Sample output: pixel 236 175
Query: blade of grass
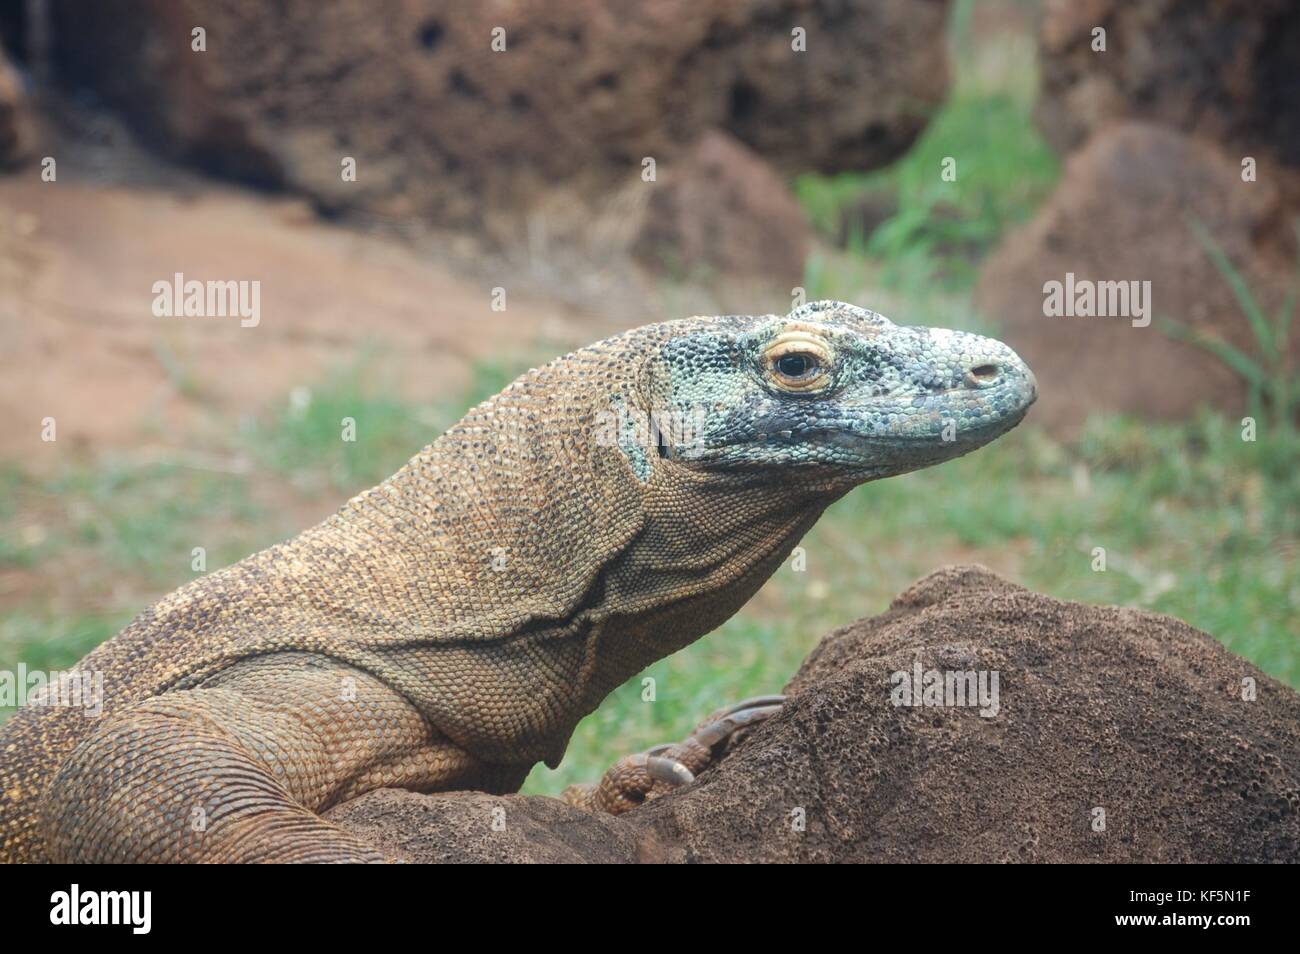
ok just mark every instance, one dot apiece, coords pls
pixel 1236 281
pixel 1236 359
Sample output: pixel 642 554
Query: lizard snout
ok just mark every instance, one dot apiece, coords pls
pixel 987 374
pixel 1001 371
pixel 983 375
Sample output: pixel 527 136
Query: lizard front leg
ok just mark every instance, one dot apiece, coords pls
pixel 236 771
pixel 659 770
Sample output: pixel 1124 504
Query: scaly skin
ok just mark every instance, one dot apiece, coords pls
pixel 449 628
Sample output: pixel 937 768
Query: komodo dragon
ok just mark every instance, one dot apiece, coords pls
pixel 448 628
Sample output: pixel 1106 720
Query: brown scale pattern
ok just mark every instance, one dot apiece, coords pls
pixel 225 695
pixel 445 629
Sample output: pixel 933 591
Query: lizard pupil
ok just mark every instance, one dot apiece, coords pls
pixel 794 365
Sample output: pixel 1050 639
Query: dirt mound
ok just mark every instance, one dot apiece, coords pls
pixel 446 126
pixel 1123 212
pixel 702 216
pixel 473 827
pixel 1119 736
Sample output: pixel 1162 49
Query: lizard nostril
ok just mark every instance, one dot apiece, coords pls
pixel 982 375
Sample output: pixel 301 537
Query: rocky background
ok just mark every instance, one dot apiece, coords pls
pixel 1155 130
pixel 556 124
pixel 534 154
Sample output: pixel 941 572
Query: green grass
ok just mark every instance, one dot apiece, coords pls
pixel 939 229
pixel 303 439
pixel 155 539
pixel 1265 367
pixel 53 642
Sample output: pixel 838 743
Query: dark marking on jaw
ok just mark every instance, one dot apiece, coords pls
pixel 662 441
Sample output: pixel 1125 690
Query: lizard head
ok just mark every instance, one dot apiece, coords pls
pixel 833 389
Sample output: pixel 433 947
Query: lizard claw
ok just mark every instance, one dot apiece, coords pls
pixel 632 780
pixel 732 723
pixel 669 770
pixel 755 702
pixel 663 768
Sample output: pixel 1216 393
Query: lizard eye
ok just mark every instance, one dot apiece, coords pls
pixel 797 361
pixel 796 364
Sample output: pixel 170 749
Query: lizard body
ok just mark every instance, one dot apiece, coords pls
pixel 448 628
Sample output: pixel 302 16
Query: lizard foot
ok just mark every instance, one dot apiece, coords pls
pixel 634 779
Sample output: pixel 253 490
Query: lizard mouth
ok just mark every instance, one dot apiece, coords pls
pixel 934 436
pixel 942 425
pixel 852 447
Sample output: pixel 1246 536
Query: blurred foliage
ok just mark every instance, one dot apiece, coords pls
pixel 386 431
pixel 1272 396
pixel 906 219
pixel 308 429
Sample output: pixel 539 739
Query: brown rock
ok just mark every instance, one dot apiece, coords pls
pixel 1098 708
pixel 443 127
pixel 1122 212
pixel 722 207
pixel 1223 70
pixel 863 91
